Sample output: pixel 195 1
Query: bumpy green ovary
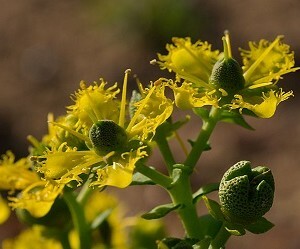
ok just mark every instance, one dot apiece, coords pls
pixel 107 136
pixel 246 194
pixel 227 75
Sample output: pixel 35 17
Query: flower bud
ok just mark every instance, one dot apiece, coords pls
pixel 107 136
pixel 246 194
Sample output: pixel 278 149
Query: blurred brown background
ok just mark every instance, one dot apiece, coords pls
pixel 47 47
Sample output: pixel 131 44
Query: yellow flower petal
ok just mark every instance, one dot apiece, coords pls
pixel 188 97
pixel 266 61
pixel 95 103
pixel 15 175
pixel 66 164
pixel 37 199
pixel 185 59
pixel 154 111
pixel 119 173
pixel 4 210
pixel 263 107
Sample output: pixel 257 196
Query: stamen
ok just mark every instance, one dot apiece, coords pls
pixel 50 118
pixel 139 85
pixel 75 133
pixel 182 145
pixel 251 69
pixel 33 141
pixel 226 33
pixel 123 100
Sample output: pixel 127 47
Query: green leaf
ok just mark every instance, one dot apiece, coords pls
pixel 100 218
pixel 202 113
pixel 234 117
pixel 204 190
pixel 209 225
pixel 140 179
pixel 214 208
pixel 176 173
pixel 160 211
pixel 260 226
pixel 235 229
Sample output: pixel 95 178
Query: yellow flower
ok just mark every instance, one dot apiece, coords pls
pixel 203 70
pixel 98 110
pixel 15 175
pixel 31 238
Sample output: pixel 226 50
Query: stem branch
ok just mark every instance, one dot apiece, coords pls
pixel 203 137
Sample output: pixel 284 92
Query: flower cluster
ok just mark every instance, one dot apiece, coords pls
pixel 209 77
pixel 105 138
pixel 80 147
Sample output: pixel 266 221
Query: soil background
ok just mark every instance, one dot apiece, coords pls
pixel 48 47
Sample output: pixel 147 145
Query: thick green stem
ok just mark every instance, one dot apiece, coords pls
pixel 220 240
pixel 154 175
pixel 203 137
pixel 181 193
pixel 79 221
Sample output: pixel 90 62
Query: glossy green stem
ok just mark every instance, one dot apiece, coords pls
pixel 154 175
pixel 203 137
pixel 78 218
pixel 181 193
pixel 166 152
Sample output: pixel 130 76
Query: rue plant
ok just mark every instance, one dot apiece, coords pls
pixel 106 138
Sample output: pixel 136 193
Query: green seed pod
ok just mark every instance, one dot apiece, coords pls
pixel 246 194
pixel 227 73
pixel 107 136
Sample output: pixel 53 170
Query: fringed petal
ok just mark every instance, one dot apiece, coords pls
pixel 187 97
pixel 263 107
pixel 38 198
pixel 266 62
pixel 119 173
pixel 187 59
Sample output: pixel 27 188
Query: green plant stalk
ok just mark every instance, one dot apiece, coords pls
pixel 65 241
pixel 203 137
pixel 154 175
pixel 181 193
pixel 79 221
pixel 221 238
pixel 166 152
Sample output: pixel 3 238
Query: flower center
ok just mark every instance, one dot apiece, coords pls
pixel 106 136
